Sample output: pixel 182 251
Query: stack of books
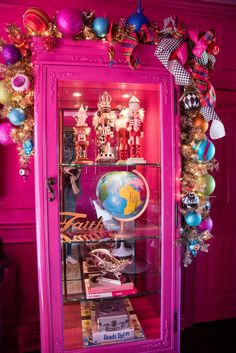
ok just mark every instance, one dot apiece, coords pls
pixel 97 286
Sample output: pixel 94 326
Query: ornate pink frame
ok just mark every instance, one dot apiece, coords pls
pixel 86 60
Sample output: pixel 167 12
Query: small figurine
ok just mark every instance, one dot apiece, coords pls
pixel 81 132
pixel 121 126
pixel 135 128
pixel 104 122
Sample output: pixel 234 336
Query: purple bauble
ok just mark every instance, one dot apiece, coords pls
pixel 5 130
pixel 11 54
pixel 69 21
pixel 206 224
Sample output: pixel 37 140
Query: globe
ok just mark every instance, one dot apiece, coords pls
pixel 124 195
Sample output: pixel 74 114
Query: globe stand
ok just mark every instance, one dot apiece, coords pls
pixel 124 232
pixel 123 251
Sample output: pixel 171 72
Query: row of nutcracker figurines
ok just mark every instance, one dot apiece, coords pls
pixel 118 136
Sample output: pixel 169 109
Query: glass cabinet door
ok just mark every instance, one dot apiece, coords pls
pixel 110 212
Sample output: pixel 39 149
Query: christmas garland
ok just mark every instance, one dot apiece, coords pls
pixel 188 55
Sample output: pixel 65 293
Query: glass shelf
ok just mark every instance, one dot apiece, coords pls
pixel 72 298
pixel 65 165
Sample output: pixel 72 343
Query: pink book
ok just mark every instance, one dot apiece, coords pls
pixel 108 294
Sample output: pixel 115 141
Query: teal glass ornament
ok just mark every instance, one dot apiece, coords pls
pixel 101 26
pixel 137 19
pixel 193 218
pixel 16 116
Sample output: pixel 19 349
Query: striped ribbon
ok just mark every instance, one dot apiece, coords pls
pixel 145 35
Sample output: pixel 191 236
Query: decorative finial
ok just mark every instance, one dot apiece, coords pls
pixel 139 8
pixel 104 104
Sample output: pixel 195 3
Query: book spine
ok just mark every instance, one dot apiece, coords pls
pixel 111 294
pixel 110 288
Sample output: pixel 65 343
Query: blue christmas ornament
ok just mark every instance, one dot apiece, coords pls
pixel 101 26
pixel 205 150
pixel 193 246
pixel 16 116
pixel 193 219
pixel 137 19
pixel 28 146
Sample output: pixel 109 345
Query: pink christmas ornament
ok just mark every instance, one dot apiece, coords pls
pixel 5 130
pixel 69 21
pixel 206 224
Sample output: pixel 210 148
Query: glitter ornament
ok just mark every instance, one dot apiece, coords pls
pixel 5 133
pixel 193 218
pixel 205 150
pixel 205 185
pixel 11 54
pixel 20 83
pixel 137 19
pixel 36 20
pixel 16 116
pixel 101 26
pixel 69 22
pixel 4 93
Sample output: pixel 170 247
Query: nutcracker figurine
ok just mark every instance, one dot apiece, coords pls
pixel 81 136
pixel 135 128
pixel 121 126
pixel 104 123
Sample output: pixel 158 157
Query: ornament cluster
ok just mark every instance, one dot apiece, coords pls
pixel 197 184
pixel 17 95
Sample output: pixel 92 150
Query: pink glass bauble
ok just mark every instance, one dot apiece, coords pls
pixel 206 224
pixel 69 21
pixel 5 130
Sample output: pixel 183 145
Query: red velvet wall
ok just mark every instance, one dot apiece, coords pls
pixel 209 285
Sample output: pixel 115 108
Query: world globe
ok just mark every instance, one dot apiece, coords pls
pixel 124 195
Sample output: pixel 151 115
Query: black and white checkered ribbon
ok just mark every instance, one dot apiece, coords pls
pixel 203 60
pixel 217 129
pixel 163 53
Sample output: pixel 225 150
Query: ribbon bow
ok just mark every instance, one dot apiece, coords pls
pixel 145 35
pixel 201 42
pixel 166 52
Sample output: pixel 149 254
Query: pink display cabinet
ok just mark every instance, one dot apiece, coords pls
pixel 109 272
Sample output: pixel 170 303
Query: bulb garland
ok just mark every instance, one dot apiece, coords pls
pixel 188 55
